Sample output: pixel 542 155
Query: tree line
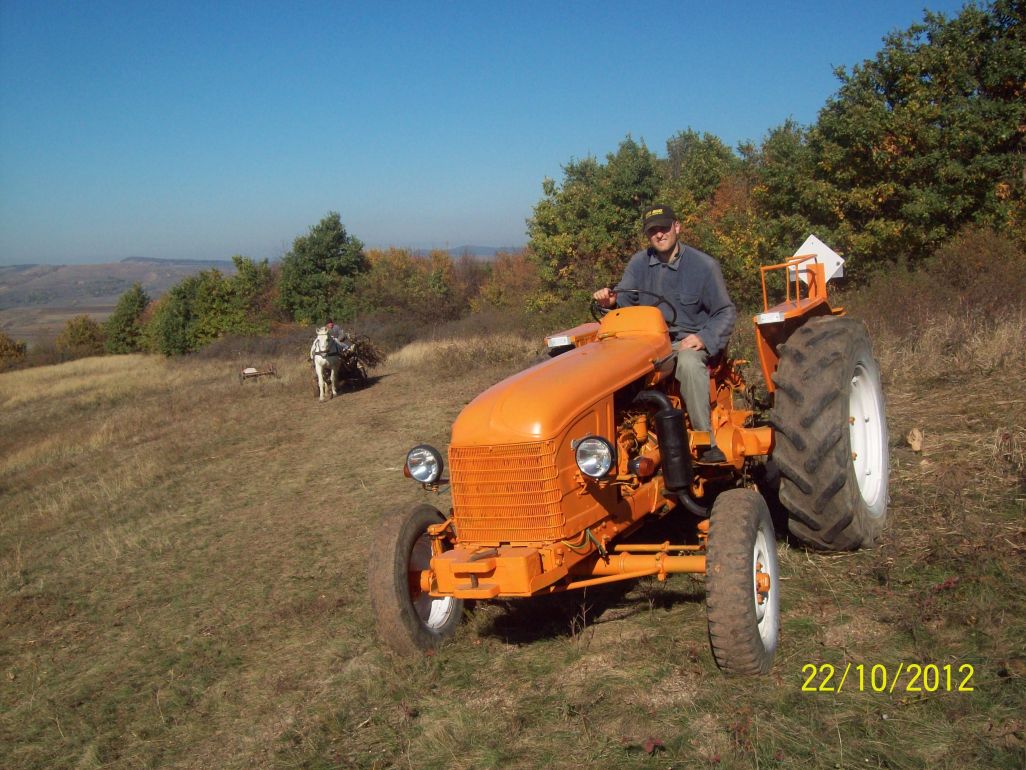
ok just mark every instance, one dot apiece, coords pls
pixel 919 143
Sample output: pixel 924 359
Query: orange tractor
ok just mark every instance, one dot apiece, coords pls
pixel 554 470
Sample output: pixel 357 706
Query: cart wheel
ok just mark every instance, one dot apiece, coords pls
pixel 742 583
pixel 409 620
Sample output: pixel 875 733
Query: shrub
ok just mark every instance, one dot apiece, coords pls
pixel 984 269
pixel 81 337
pixel 123 331
pixel 208 305
pixel 12 352
pixel 980 274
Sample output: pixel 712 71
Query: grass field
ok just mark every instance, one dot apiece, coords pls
pixel 182 561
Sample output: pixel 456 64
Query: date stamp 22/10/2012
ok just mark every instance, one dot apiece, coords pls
pixel 880 678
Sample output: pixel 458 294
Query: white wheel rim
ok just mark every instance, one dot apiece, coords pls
pixel 767 603
pixel 434 612
pixel 867 431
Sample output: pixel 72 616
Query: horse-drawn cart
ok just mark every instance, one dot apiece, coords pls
pixel 353 356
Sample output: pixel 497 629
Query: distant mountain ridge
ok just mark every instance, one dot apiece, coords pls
pixel 220 264
pixel 486 253
pixel 98 284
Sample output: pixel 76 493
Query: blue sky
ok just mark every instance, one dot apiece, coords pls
pixel 199 130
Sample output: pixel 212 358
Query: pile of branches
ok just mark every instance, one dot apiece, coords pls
pixel 366 351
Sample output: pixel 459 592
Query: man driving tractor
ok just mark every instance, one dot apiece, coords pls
pixel 705 315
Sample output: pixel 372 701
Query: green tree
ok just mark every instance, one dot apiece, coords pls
pixel 123 329
pixel 582 228
pixel 319 274
pixel 254 287
pixel 698 162
pixel 207 305
pixel 171 329
pixel 786 193
pixel 80 337
pixel 696 166
pixel 927 137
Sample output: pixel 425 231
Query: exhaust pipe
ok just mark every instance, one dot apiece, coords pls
pixel 673 449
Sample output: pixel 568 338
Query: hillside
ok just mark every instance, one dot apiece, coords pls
pixel 183 585
pixel 36 300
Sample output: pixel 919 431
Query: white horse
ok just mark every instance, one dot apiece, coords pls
pixel 326 354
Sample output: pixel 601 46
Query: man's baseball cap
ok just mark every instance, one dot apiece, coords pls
pixel 659 215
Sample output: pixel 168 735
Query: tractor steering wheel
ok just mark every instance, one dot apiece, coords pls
pixel 597 311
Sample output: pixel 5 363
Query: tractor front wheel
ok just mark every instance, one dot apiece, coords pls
pixel 831 444
pixel 409 619
pixel 742 583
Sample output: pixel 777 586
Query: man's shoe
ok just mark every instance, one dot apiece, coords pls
pixel 712 455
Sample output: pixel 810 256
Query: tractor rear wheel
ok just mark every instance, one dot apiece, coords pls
pixel 831 444
pixel 742 583
pixel 409 619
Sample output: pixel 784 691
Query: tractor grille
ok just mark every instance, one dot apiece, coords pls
pixel 506 494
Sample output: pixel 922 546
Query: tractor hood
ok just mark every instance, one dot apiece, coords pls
pixel 539 403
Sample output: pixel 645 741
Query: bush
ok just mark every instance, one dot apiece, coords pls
pixel 984 269
pixel 284 341
pixel 81 337
pixel 12 352
pixel 980 274
pixel 208 305
pixel 123 331
pixel 962 312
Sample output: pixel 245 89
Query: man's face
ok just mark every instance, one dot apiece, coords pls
pixel 663 237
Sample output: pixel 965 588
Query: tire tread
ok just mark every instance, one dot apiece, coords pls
pixel 810 413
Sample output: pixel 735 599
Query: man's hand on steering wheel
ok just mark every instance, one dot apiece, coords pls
pixel 605 297
pixel 602 302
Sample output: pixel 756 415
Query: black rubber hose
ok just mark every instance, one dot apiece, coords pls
pixel 673 449
pixel 654 396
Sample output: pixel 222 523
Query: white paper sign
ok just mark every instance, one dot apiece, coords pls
pixel 833 264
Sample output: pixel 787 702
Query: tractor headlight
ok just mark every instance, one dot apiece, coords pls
pixel 595 456
pixel 424 464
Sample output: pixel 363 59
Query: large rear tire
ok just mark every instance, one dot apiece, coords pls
pixel 742 583
pixel 831 444
pixel 409 620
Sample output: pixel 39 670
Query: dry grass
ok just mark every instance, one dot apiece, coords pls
pixel 949 346
pixel 182 573
pixel 456 354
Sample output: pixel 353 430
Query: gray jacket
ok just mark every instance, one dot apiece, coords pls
pixel 694 284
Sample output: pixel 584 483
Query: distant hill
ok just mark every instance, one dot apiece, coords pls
pixel 486 253
pixel 47 285
pixel 220 264
pixel 36 300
